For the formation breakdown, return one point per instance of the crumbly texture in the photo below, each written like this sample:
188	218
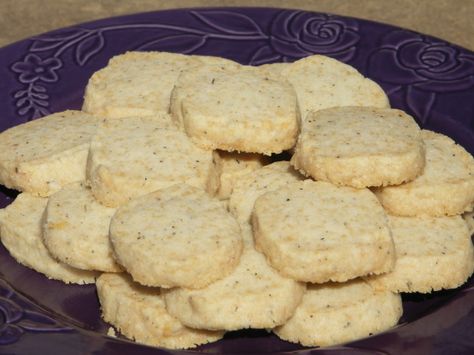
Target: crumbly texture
130	157
76	230
433	253
317	232
274	70
177	236
43	155
338	313
20	232
254	295
257	114
139	313
250	186
445	187
360	147
469	218
321	82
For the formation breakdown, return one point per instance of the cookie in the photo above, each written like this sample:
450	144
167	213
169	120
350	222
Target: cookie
250	186
254	295
433	253
321	82
445	187
76	230
177	236
20	232
316	232
43	155
130	157
139	313
360	147
469	218
274	70
238	110
338	313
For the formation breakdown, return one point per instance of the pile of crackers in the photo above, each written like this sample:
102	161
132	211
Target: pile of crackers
170	192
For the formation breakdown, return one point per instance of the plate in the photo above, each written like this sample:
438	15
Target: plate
431	79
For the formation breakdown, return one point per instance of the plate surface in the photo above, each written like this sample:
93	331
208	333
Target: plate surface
427	77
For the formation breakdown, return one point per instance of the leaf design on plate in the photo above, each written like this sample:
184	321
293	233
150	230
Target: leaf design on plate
34	321
420	103
264	54
88	47
10	310
186	43
10	334
229	22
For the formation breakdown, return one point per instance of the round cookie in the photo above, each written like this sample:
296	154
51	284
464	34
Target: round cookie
43	155
332	314
139	313
316	232
20	232
433	253
76	230
469	218
177	236
274	70
130	157
254	295
360	147
445	187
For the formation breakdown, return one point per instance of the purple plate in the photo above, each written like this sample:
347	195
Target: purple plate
427	77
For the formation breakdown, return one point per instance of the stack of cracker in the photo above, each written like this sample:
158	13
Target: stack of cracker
165	192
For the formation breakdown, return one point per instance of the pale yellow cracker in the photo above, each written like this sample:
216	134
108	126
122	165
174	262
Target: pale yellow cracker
433	253
43	155
338	313
20	232
177	236
139	313
316	232
130	157
76	230
445	187
360	147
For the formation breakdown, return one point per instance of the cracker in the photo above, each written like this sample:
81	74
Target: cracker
139	313
76	230
176	236
130	157
360	147
317	232
433	253
20	232
43	155
338	313
445	187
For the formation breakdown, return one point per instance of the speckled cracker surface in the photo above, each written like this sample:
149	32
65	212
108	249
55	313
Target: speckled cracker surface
177	236
76	229
254	295
337	313
360	147
130	157
317	232
139	313
445	187
433	253
321	82
43	155
20	232
238	110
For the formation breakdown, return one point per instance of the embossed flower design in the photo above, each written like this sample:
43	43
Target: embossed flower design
33	69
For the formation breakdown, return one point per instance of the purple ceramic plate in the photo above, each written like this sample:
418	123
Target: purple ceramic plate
427	77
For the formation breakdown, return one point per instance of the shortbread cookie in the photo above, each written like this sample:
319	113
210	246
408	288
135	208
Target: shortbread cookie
139	313
338	313
76	230
469	218
130	157
433	253
43	155
250	186
321	82
445	188
177	236
274	70
238	110
20	232
360	147
254	295
316	232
